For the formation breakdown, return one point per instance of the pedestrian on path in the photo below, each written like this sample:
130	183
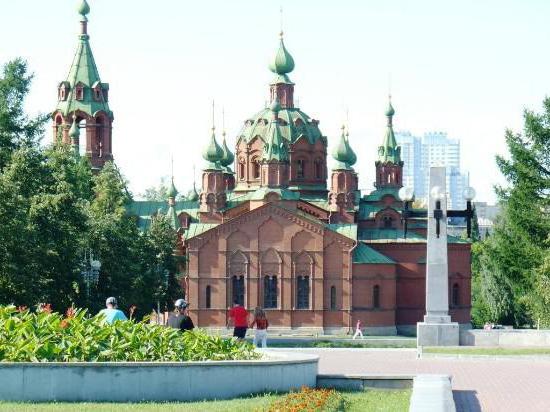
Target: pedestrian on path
260	320
180	318
358	331
111	313
239	317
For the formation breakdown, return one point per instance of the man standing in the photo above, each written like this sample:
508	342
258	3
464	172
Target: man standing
239	316
111	313
180	319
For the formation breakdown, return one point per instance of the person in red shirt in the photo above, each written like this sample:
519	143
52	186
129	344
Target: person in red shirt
239	317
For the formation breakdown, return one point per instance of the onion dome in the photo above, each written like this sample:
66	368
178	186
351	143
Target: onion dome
283	62
83	8
275	106
352	155
213	153
194	196
172	191
228	157
342	153
389	152
74	132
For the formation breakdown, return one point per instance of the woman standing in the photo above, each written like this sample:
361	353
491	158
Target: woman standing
260	320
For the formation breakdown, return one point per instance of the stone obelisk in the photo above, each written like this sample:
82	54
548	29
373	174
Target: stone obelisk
437	328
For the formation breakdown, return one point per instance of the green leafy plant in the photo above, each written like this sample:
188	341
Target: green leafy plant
76	337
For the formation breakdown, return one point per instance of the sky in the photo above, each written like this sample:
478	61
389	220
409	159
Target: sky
467	67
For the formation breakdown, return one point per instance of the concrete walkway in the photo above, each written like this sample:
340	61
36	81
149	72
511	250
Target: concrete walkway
510	385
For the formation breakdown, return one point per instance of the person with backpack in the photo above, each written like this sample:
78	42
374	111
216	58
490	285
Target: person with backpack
180	319
260	320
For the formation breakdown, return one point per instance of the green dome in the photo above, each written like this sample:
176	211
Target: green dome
342	152
172	191
74	132
194	196
275	105
228	157
293	124
83	8
283	62
390	111
352	155
213	153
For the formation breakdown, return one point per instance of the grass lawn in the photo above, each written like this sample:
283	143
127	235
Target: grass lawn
340	344
371	400
473	350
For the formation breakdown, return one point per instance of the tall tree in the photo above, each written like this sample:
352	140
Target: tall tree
511	258
16	129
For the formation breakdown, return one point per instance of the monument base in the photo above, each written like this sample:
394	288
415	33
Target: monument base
437	334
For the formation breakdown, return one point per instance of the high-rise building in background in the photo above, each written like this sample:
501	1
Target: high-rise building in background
433	149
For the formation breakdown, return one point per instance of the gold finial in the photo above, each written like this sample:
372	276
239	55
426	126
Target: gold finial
281	32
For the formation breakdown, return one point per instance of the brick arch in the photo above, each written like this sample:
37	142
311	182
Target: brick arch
302	240
270	234
238	240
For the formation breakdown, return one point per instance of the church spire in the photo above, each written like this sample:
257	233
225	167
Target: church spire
389	152
282	87
389	166
82	94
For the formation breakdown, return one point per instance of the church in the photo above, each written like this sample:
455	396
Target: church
277	222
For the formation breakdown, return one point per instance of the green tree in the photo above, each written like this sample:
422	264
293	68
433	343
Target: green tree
16	129
510	273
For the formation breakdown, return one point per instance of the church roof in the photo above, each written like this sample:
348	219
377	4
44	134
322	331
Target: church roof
283	63
366	254
84	71
274	146
293	125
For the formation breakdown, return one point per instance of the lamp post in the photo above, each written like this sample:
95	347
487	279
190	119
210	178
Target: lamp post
406	194
90	272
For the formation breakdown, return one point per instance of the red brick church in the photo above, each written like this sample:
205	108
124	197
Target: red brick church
266	229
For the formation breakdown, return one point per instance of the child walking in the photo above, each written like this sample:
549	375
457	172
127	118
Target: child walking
358	331
260	320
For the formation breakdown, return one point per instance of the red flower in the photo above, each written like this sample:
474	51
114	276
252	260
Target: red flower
70	313
47	308
64	324
21	309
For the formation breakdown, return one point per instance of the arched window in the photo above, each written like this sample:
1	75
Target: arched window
241	170
302	298
388	222
333	298
208	300
455	295
255	169
270	292
318	169
300	168
376	296
238	289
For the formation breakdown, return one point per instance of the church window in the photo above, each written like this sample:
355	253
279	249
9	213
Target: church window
456	295
333	298
270	292
238	289
388	222
79	93
241	170
208	299
255	169
300	168
318	169
302	292
376	297
97	94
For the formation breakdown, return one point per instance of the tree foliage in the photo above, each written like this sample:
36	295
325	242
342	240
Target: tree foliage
510	267
54	213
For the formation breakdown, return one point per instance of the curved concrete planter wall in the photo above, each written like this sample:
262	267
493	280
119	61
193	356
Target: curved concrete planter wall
155	381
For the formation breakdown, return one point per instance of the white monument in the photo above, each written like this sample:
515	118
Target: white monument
437	328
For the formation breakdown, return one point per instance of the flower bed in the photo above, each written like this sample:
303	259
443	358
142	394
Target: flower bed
309	400
77	337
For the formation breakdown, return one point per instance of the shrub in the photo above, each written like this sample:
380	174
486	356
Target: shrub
77	337
309	400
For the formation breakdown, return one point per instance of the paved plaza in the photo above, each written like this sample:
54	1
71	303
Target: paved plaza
511	385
